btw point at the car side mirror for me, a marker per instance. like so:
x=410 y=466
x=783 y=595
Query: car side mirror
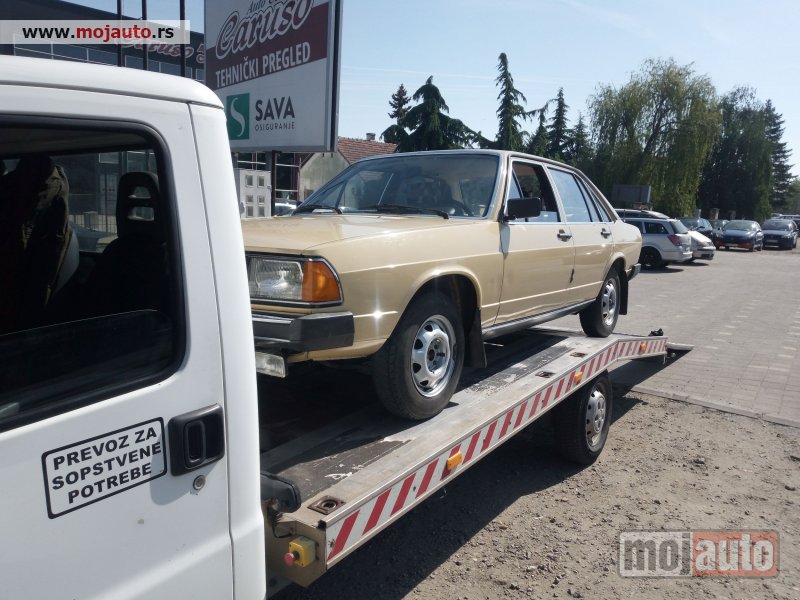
x=521 y=208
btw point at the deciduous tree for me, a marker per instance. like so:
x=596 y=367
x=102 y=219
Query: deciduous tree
x=657 y=129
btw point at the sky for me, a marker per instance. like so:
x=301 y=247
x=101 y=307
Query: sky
x=575 y=44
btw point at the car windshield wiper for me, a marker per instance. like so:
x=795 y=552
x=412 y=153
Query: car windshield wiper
x=312 y=207
x=402 y=208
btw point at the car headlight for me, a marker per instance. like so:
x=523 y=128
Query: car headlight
x=295 y=281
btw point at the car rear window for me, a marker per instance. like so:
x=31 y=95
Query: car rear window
x=679 y=227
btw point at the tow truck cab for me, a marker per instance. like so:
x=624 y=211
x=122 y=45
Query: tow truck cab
x=126 y=341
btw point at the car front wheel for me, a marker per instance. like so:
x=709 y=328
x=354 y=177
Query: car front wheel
x=417 y=370
x=600 y=317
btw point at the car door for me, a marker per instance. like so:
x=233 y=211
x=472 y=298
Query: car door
x=538 y=252
x=111 y=395
x=591 y=236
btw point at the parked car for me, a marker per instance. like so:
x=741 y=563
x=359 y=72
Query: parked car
x=795 y=218
x=702 y=246
x=781 y=233
x=740 y=234
x=415 y=259
x=663 y=241
x=717 y=224
x=697 y=224
x=625 y=213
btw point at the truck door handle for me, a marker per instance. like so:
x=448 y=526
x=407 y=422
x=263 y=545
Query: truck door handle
x=196 y=439
x=563 y=235
x=605 y=232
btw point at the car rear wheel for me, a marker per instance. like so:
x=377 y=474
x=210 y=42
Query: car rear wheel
x=417 y=370
x=582 y=421
x=600 y=317
x=650 y=258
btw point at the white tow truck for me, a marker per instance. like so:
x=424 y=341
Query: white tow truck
x=138 y=457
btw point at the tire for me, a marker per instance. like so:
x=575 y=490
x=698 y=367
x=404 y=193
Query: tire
x=581 y=422
x=417 y=370
x=650 y=258
x=600 y=317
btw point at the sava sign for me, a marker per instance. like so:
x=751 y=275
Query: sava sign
x=275 y=65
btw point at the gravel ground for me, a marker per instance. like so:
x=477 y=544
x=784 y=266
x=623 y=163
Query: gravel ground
x=523 y=523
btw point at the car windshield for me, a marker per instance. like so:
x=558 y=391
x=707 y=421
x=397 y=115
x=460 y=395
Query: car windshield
x=679 y=227
x=777 y=225
x=459 y=184
x=690 y=222
x=740 y=226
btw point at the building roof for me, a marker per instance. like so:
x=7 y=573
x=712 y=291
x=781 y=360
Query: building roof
x=353 y=149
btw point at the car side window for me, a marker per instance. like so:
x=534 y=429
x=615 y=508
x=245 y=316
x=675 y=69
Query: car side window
x=529 y=181
x=575 y=208
x=598 y=211
x=637 y=224
x=652 y=227
x=90 y=302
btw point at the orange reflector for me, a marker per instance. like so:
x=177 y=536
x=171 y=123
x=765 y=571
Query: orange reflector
x=319 y=283
x=454 y=461
x=577 y=377
x=642 y=347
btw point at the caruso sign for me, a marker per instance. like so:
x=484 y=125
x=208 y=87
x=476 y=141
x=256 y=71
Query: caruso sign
x=275 y=66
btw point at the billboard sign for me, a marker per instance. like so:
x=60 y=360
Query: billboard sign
x=275 y=66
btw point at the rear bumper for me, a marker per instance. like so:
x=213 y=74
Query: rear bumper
x=304 y=333
x=634 y=271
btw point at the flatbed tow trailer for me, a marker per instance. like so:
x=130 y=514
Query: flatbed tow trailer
x=358 y=475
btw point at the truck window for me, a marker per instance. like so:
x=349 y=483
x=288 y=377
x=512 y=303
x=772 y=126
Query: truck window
x=90 y=301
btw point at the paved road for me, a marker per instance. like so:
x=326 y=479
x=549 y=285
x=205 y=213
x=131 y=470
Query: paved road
x=742 y=313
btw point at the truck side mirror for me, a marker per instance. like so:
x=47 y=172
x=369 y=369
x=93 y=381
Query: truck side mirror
x=521 y=208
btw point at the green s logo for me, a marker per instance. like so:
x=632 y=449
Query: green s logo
x=237 y=110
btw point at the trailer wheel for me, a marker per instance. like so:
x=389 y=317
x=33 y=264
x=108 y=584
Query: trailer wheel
x=600 y=317
x=581 y=422
x=417 y=370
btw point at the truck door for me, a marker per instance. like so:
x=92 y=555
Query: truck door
x=111 y=393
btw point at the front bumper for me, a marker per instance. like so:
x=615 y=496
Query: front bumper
x=779 y=242
x=704 y=253
x=303 y=333
x=738 y=243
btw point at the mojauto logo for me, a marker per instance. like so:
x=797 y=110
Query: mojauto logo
x=237 y=110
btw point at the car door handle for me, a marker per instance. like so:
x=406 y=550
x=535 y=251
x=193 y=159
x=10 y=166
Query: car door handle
x=605 y=232
x=196 y=439
x=563 y=235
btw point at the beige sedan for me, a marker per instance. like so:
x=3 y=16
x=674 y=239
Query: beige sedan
x=416 y=259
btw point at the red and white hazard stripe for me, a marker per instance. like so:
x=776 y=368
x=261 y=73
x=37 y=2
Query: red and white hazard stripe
x=360 y=522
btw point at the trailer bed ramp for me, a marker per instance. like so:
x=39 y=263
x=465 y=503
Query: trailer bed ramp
x=359 y=475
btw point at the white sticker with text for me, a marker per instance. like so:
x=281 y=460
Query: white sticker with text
x=88 y=471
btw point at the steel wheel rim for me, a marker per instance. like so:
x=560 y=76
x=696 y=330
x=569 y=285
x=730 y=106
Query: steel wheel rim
x=433 y=356
x=595 y=418
x=608 y=302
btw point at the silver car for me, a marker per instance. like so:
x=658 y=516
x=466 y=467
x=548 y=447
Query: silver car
x=663 y=241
